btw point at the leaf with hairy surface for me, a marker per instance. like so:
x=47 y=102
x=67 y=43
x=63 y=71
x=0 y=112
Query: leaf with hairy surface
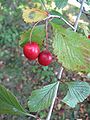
x=42 y=98
x=78 y=92
x=72 y=49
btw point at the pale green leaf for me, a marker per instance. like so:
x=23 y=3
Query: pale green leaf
x=78 y=92
x=32 y=15
x=61 y=3
x=8 y=103
x=42 y=98
x=72 y=49
x=38 y=35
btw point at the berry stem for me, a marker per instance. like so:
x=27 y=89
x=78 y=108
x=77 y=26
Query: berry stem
x=46 y=34
x=32 y=30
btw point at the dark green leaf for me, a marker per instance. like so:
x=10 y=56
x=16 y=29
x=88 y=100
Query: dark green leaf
x=38 y=35
x=61 y=3
x=72 y=49
x=78 y=92
x=42 y=98
x=8 y=103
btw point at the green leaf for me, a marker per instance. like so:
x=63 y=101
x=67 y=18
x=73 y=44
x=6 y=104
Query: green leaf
x=78 y=92
x=42 y=98
x=88 y=2
x=56 y=20
x=72 y=49
x=61 y=3
x=38 y=35
x=8 y=103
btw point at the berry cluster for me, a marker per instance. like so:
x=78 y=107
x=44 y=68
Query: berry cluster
x=32 y=52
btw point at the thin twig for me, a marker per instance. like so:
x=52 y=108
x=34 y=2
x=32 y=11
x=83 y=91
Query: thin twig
x=78 y=16
x=60 y=73
x=30 y=115
x=60 y=17
x=46 y=33
x=53 y=101
x=46 y=19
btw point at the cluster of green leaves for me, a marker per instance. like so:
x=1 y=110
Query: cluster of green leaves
x=73 y=52
x=42 y=98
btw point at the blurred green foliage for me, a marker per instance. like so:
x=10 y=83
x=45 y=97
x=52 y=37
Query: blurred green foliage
x=11 y=22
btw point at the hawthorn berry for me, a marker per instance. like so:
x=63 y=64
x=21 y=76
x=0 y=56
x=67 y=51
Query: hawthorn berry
x=45 y=58
x=88 y=36
x=31 y=50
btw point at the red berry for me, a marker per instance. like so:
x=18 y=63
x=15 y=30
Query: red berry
x=88 y=36
x=45 y=58
x=31 y=50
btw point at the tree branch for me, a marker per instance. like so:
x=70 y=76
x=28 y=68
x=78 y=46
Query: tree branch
x=60 y=73
x=60 y=17
x=78 y=16
x=30 y=115
x=53 y=101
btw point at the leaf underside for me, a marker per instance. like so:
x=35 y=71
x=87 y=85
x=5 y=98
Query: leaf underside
x=72 y=49
x=78 y=92
x=42 y=98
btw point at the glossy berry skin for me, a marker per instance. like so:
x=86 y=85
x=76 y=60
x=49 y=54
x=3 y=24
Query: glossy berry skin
x=88 y=36
x=31 y=50
x=45 y=58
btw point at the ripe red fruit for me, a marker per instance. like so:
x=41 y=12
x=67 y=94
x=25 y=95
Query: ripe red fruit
x=31 y=50
x=88 y=36
x=45 y=58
